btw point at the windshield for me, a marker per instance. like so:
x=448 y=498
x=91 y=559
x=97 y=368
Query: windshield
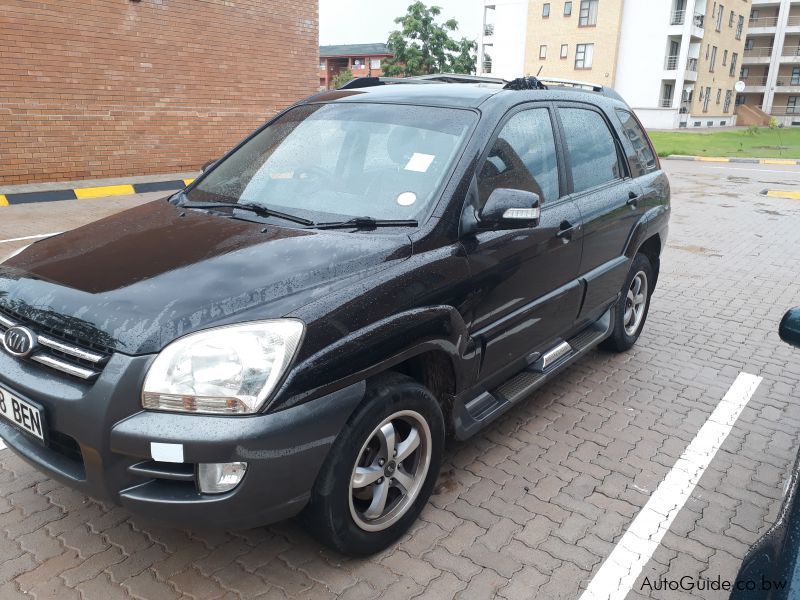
x=338 y=161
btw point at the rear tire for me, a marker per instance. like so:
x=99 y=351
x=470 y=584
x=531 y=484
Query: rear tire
x=630 y=312
x=381 y=469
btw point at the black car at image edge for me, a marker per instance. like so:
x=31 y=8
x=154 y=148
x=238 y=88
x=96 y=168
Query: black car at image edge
x=298 y=331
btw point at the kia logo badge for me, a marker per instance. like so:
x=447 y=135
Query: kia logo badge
x=19 y=341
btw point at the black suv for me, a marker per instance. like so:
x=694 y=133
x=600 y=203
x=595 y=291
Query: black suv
x=374 y=269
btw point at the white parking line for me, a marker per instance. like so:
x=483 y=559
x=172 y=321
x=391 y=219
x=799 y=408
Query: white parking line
x=622 y=567
x=30 y=237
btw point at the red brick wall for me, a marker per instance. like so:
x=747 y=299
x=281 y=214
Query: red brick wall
x=105 y=88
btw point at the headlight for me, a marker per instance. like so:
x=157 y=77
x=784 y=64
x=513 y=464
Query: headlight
x=226 y=370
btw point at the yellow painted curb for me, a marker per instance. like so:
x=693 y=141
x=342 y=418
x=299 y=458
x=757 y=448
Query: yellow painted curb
x=188 y=181
x=713 y=159
x=784 y=194
x=3 y=200
x=778 y=161
x=107 y=190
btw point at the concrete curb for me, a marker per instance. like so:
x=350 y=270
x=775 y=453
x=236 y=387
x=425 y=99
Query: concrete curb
x=84 y=193
x=721 y=159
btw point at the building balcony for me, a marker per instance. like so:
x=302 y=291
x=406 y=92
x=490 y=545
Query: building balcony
x=665 y=103
x=671 y=63
x=790 y=54
x=488 y=30
x=785 y=110
x=787 y=85
x=762 y=25
x=757 y=55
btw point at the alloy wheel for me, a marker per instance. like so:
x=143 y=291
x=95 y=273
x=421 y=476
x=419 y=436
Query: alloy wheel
x=635 y=303
x=390 y=470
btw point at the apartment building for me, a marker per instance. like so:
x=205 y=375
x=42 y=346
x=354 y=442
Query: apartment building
x=676 y=62
x=771 y=63
x=363 y=60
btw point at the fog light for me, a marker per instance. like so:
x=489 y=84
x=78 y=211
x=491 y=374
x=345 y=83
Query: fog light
x=216 y=478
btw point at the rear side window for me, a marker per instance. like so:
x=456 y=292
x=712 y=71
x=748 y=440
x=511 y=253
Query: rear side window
x=644 y=159
x=523 y=157
x=591 y=148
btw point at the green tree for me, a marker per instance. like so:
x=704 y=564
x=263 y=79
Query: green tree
x=423 y=46
x=341 y=78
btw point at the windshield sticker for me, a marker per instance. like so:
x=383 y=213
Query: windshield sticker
x=420 y=162
x=406 y=198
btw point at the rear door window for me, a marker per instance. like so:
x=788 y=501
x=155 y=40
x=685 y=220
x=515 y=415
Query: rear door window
x=643 y=160
x=591 y=148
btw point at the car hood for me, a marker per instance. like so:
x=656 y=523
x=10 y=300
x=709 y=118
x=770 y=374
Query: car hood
x=137 y=280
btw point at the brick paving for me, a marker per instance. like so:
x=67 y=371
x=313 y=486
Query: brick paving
x=530 y=507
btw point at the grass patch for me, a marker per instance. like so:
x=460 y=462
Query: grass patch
x=761 y=143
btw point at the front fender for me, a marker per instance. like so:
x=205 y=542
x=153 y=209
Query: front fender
x=395 y=339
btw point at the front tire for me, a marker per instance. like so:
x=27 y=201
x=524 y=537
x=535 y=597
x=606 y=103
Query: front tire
x=630 y=312
x=381 y=469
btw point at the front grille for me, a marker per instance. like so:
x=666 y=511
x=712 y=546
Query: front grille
x=58 y=350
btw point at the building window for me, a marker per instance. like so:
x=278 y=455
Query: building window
x=739 y=27
x=719 y=95
x=734 y=61
x=725 y=58
x=708 y=49
x=583 y=56
x=564 y=50
x=706 y=99
x=795 y=76
x=374 y=63
x=749 y=43
x=713 y=61
x=567 y=9
x=728 y=96
x=745 y=73
x=731 y=19
x=359 y=63
x=793 y=105
x=543 y=51
x=719 y=17
x=588 y=14
x=546 y=10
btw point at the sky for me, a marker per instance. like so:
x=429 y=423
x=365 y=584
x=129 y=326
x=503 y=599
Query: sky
x=368 y=21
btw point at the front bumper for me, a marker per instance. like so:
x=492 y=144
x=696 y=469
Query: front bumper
x=100 y=443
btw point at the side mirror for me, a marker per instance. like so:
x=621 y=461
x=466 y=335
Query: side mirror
x=209 y=164
x=790 y=327
x=511 y=209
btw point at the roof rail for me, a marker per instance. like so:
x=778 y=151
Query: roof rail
x=583 y=85
x=459 y=78
x=362 y=82
x=572 y=83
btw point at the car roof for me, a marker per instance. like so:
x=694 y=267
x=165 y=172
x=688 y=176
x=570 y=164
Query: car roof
x=457 y=95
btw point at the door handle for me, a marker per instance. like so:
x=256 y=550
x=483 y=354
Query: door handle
x=566 y=229
x=633 y=199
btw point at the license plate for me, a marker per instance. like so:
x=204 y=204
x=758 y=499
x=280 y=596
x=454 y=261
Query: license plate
x=23 y=414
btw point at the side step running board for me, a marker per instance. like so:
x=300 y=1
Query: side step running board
x=489 y=405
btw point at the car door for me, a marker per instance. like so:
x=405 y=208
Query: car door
x=608 y=199
x=526 y=292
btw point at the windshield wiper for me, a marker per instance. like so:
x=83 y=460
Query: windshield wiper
x=366 y=223
x=261 y=211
